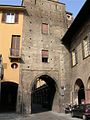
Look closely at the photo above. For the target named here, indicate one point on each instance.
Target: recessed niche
(14, 65)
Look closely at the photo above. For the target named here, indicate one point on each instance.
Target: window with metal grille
(45, 56)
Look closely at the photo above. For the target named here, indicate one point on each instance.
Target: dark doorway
(43, 95)
(8, 97)
(81, 95)
(81, 92)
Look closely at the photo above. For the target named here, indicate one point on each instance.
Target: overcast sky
(73, 6)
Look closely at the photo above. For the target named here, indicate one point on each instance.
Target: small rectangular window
(45, 56)
(44, 28)
(9, 17)
(74, 57)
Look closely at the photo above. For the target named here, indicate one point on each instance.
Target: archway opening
(88, 91)
(43, 92)
(79, 92)
(8, 97)
(88, 83)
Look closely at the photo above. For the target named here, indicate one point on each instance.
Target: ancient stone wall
(52, 13)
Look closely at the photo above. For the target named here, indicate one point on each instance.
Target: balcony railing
(15, 53)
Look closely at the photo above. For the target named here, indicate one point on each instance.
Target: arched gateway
(8, 96)
(88, 91)
(43, 94)
(79, 91)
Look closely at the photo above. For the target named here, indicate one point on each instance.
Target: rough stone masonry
(52, 13)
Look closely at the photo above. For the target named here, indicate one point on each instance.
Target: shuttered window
(74, 57)
(44, 55)
(86, 46)
(15, 45)
(44, 28)
(10, 17)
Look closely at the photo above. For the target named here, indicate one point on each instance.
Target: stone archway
(8, 96)
(79, 92)
(88, 91)
(43, 94)
(88, 83)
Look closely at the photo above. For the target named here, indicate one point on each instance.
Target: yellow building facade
(11, 24)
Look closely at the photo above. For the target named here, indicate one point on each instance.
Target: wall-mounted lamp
(62, 90)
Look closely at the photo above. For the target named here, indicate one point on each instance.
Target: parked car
(82, 111)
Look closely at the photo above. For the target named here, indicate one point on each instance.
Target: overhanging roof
(80, 19)
(10, 7)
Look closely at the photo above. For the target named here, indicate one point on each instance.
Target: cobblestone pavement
(39, 116)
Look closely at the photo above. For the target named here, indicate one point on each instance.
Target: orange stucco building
(11, 23)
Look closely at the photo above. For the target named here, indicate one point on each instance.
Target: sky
(72, 6)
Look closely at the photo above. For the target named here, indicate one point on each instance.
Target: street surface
(39, 116)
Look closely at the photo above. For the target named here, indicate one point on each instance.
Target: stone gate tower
(43, 77)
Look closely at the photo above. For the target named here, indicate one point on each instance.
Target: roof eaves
(79, 20)
(12, 7)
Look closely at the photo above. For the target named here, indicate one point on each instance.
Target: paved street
(39, 116)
